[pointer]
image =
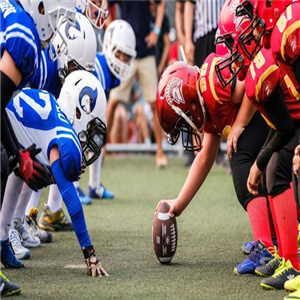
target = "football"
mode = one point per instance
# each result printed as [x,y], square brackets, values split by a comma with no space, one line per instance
[164,234]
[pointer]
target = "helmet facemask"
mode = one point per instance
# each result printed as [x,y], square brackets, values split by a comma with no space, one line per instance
[97,15]
[250,39]
[234,62]
[92,140]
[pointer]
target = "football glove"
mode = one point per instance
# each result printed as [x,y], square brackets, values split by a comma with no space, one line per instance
[25,165]
[93,264]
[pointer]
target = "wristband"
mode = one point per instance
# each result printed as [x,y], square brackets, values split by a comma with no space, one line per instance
[156,30]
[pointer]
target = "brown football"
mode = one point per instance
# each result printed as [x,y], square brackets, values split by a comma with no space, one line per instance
[164,234]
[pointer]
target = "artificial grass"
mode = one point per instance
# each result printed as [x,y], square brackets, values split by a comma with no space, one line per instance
[211,232]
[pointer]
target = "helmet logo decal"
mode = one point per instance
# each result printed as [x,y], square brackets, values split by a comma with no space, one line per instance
[87,98]
[69,30]
[174,91]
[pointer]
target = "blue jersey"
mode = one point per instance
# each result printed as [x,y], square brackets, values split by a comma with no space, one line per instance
[46,77]
[20,39]
[37,119]
[102,72]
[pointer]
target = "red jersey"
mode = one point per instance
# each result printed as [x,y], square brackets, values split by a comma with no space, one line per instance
[285,37]
[221,111]
[263,76]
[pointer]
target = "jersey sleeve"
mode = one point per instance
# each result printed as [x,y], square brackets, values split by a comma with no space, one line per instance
[285,39]
[20,39]
[262,77]
[70,154]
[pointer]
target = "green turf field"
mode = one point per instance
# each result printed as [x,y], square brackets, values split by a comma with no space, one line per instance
[211,233]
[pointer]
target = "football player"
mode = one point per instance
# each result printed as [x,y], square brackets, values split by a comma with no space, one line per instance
[79,54]
[253,133]
[266,94]
[111,67]
[71,132]
[190,100]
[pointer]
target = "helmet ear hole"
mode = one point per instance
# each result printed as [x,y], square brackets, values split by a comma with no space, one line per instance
[41,8]
[78,113]
[193,105]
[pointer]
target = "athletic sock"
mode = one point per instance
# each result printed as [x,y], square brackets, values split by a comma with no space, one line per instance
[54,199]
[257,210]
[286,218]
[33,201]
[95,172]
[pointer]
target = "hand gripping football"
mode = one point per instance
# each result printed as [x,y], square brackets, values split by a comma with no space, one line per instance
[164,234]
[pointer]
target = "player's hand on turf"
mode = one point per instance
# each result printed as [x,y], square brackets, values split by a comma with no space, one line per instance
[254,179]
[174,208]
[93,264]
[232,139]
[26,165]
[296,160]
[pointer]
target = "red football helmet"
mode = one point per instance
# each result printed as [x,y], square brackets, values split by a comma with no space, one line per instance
[229,26]
[180,107]
[263,15]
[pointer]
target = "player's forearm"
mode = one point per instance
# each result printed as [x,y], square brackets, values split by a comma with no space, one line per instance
[280,117]
[70,197]
[199,170]
[8,136]
[188,20]
[246,112]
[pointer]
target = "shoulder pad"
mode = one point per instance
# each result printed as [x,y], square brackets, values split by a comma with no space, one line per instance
[262,77]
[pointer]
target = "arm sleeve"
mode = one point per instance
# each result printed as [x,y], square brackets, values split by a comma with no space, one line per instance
[7,89]
[70,197]
[280,117]
[8,137]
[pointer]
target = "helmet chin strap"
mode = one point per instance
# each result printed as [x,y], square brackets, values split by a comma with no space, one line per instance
[182,114]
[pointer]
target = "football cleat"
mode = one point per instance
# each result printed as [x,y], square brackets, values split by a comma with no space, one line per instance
[284,272]
[247,246]
[100,193]
[8,288]
[15,242]
[85,200]
[94,266]
[270,268]
[8,258]
[293,284]
[56,221]
[293,296]
[27,239]
[34,228]
[259,255]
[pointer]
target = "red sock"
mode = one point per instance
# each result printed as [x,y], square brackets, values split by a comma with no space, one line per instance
[272,226]
[298,211]
[271,206]
[286,217]
[257,210]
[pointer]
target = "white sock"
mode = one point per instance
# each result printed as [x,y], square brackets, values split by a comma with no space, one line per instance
[11,196]
[54,198]
[23,202]
[33,201]
[95,172]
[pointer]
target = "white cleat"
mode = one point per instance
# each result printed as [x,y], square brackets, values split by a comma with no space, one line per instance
[15,241]
[27,239]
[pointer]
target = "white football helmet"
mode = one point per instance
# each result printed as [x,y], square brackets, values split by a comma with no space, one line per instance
[95,10]
[46,14]
[119,37]
[82,100]
[80,47]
